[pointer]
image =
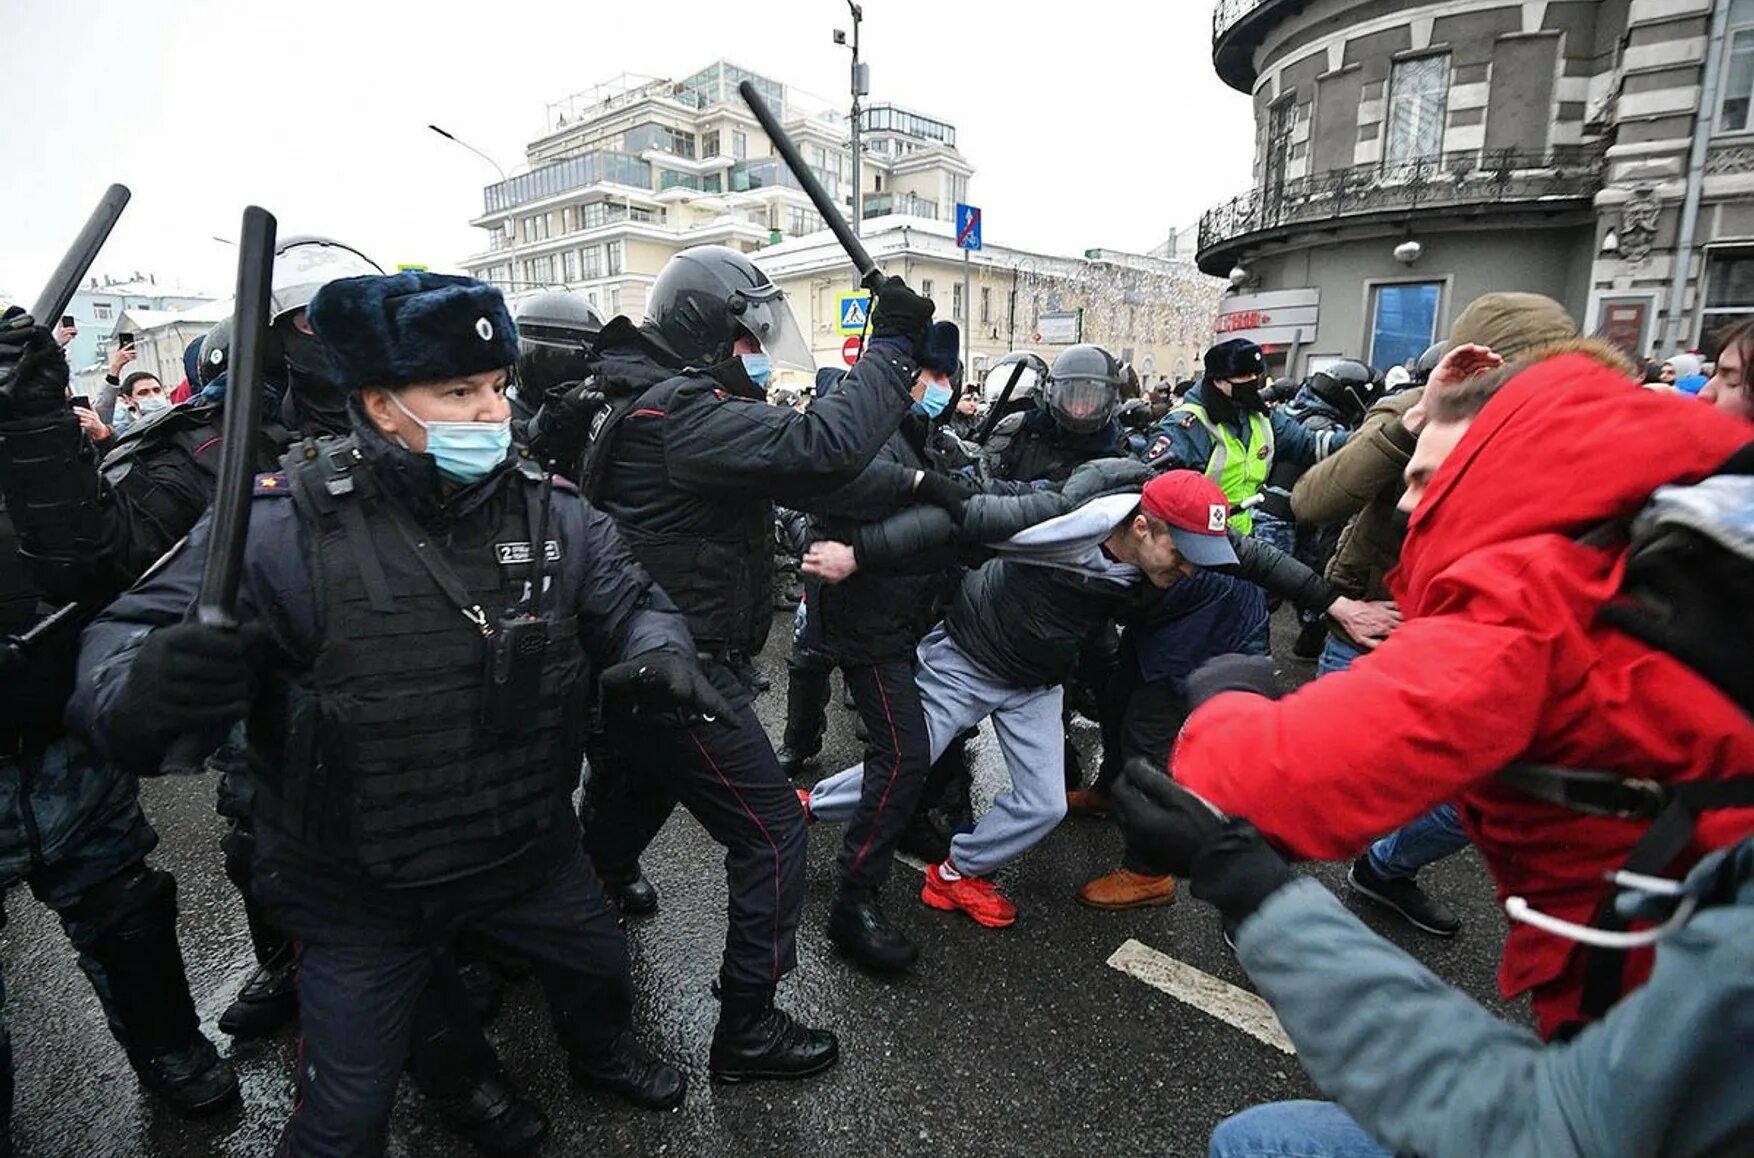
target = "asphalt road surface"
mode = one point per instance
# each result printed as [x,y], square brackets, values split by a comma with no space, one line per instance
[1016,1041]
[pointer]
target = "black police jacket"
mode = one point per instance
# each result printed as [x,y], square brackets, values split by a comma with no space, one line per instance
[691,471]
[358,778]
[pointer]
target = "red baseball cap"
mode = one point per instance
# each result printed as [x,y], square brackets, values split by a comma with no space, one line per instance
[1198,515]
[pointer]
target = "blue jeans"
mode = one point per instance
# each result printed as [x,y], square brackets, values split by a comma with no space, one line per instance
[1336,656]
[1418,843]
[1293,1130]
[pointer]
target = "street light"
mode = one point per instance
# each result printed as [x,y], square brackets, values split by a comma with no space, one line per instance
[861,86]
[511,247]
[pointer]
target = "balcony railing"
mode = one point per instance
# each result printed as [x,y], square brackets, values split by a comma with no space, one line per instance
[1226,13]
[907,205]
[1453,180]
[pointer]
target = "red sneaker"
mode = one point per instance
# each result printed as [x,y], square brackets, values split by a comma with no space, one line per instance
[979,897]
[804,800]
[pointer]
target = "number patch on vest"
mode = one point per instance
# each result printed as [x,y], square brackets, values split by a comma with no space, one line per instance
[518,554]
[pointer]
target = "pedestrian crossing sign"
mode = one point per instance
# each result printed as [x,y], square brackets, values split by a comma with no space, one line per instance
[854,309]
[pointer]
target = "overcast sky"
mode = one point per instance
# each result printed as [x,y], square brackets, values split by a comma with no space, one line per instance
[1096,123]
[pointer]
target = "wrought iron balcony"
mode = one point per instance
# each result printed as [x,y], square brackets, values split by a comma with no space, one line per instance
[1237,28]
[1455,180]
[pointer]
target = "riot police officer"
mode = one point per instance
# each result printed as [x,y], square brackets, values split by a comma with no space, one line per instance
[70,825]
[1072,422]
[556,329]
[422,614]
[688,460]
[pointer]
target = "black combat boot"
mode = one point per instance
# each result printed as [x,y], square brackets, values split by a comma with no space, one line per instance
[632,894]
[482,982]
[268,1002]
[807,694]
[495,1118]
[857,925]
[755,1041]
[136,966]
[625,1068]
[452,1064]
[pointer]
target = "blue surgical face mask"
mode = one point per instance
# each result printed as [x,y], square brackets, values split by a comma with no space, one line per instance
[152,405]
[935,399]
[466,452]
[759,367]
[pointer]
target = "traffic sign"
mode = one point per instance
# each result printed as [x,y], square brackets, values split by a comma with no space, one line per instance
[968,226]
[853,309]
[850,351]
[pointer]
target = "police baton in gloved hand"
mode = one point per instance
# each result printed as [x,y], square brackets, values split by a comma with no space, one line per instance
[217,605]
[869,275]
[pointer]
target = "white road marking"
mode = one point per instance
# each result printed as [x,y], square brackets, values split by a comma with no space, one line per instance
[1236,1007]
[914,863]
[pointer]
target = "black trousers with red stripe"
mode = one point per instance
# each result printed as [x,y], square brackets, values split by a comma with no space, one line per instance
[725,773]
[898,755]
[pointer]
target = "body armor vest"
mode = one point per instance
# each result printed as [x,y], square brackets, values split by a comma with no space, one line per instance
[391,758]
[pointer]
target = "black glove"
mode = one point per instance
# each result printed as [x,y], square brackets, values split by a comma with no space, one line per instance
[944,491]
[1165,825]
[1233,673]
[664,679]
[557,431]
[33,368]
[1237,870]
[188,679]
[901,313]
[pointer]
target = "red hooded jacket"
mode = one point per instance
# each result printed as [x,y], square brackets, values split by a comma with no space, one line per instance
[1500,660]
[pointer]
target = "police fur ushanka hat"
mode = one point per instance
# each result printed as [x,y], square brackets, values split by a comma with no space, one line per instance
[412,327]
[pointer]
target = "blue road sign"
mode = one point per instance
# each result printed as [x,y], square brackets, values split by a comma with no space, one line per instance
[854,308]
[968,226]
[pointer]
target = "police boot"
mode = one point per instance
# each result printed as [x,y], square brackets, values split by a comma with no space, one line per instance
[625,1068]
[494,1117]
[857,925]
[453,1066]
[482,982]
[268,1002]
[755,1041]
[807,694]
[136,966]
[632,894]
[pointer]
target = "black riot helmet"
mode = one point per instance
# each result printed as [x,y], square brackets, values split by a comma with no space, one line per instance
[556,330]
[215,352]
[707,297]
[1348,386]
[1084,389]
[1029,379]
[1428,362]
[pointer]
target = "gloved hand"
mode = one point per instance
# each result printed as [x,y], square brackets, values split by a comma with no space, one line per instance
[1233,673]
[1166,826]
[664,679]
[946,492]
[187,679]
[556,432]
[1236,870]
[901,313]
[33,368]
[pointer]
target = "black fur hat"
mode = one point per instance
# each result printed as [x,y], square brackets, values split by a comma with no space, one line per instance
[1235,358]
[412,327]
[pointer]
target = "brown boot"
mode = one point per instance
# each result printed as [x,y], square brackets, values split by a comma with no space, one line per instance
[1087,802]
[1126,889]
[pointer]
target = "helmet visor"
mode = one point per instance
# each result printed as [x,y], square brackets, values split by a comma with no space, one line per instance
[301,269]
[1083,405]
[767,316]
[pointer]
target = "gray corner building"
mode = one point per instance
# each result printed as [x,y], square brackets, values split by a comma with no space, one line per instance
[1413,154]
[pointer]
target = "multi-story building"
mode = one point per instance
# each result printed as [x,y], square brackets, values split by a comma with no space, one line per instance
[99,305]
[1413,154]
[633,171]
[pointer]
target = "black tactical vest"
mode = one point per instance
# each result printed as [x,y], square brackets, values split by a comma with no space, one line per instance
[38,680]
[387,760]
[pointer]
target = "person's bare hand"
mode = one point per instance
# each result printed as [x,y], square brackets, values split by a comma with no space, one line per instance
[91,424]
[1368,623]
[119,358]
[830,562]
[1459,364]
[65,334]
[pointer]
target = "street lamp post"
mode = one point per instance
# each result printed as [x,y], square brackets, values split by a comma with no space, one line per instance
[861,86]
[512,222]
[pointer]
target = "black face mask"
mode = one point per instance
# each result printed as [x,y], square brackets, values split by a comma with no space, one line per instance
[316,401]
[1247,396]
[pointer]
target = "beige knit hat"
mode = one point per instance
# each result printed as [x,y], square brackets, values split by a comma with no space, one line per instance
[1510,323]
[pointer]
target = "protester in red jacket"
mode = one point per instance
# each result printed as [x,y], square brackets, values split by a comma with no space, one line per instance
[1500,660]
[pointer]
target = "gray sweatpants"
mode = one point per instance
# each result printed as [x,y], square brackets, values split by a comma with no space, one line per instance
[957,694]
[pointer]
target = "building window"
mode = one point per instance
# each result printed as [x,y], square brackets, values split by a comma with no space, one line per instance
[541,270]
[1729,289]
[956,301]
[615,249]
[986,305]
[926,287]
[615,302]
[739,145]
[1418,94]
[566,219]
[709,144]
[592,255]
[802,221]
[100,311]
[1733,115]
[571,261]
[1403,321]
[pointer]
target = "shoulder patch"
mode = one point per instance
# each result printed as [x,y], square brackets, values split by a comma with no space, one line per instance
[274,483]
[1188,420]
[1159,448]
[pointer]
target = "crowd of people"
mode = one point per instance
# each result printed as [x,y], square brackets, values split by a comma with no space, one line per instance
[490,555]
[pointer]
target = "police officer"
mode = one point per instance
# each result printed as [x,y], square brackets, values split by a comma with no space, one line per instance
[688,462]
[1072,422]
[556,330]
[70,825]
[422,614]
[1224,429]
